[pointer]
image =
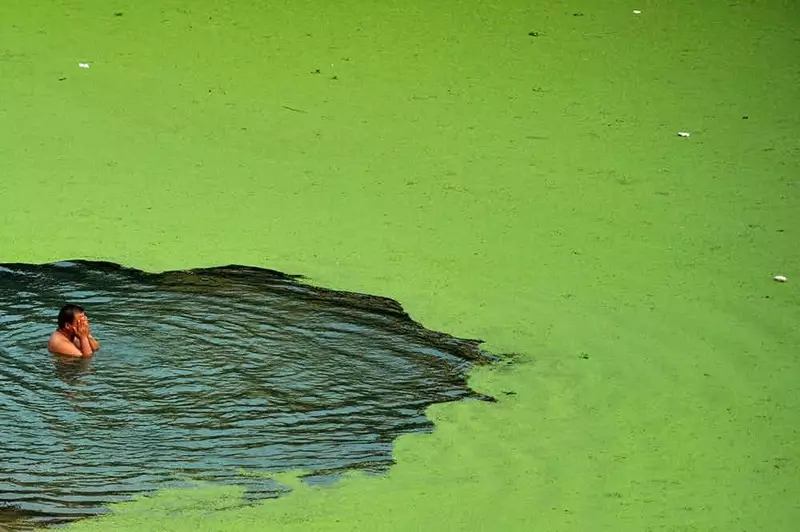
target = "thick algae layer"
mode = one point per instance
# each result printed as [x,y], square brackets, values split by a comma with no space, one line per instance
[509,171]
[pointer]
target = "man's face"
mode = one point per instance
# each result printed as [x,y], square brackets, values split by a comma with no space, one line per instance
[72,327]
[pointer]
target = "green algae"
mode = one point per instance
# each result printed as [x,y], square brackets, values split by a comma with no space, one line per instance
[530,191]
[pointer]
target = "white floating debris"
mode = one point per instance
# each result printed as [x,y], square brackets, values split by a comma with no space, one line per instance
[637,12]
[780,278]
[684,134]
[83,65]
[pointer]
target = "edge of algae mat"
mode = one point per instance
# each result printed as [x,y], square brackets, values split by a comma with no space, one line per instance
[527,195]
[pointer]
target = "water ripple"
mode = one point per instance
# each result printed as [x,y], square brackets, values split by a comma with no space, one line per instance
[203,374]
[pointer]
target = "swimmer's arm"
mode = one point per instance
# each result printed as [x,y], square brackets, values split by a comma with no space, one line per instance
[86,346]
[93,343]
[84,335]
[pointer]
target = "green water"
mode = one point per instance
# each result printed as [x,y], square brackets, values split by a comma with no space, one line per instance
[529,191]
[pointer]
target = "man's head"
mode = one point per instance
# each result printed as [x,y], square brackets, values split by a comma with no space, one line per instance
[67,315]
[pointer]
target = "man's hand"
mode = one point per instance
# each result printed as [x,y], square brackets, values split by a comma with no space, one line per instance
[82,327]
[92,342]
[82,332]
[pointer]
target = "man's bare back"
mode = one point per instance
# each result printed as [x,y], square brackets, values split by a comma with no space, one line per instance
[73,336]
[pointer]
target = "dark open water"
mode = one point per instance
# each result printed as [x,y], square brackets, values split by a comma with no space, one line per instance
[202,374]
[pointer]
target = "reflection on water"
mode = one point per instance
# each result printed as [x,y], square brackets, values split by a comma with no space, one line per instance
[203,374]
[70,369]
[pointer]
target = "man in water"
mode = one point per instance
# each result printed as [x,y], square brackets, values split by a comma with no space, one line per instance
[73,337]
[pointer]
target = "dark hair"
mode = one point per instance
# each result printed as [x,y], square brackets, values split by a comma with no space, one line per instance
[67,314]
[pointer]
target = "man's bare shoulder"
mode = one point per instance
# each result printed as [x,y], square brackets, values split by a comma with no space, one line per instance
[53,340]
[61,345]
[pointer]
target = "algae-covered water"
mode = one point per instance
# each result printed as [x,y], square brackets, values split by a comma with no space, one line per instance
[509,171]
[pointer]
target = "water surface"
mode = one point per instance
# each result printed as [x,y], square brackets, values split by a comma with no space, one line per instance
[203,375]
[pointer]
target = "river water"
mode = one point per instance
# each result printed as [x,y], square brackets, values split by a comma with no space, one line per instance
[204,375]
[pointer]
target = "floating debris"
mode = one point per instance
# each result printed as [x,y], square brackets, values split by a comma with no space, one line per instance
[684,134]
[83,65]
[637,12]
[780,278]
